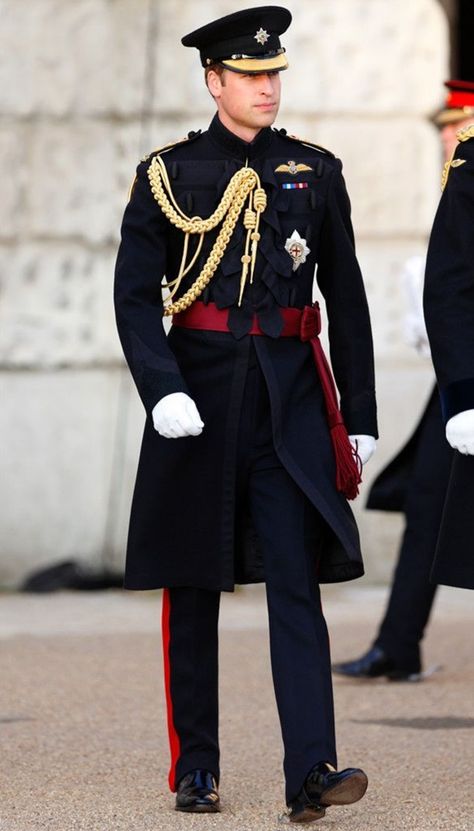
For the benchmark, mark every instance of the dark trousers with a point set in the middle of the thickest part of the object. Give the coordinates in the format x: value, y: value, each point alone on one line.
x: 288, y: 528
x: 412, y: 594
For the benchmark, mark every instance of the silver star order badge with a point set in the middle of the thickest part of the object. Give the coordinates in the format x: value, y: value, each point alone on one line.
x: 297, y: 249
x: 261, y: 36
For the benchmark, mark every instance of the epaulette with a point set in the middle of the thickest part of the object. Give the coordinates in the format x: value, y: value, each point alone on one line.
x: 282, y: 132
x: 466, y: 133
x: 193, y: 134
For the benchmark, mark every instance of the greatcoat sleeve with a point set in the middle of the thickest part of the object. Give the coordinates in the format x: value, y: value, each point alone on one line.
x: 449, y: 286
x: 140, y: 267
x: 350, y: 339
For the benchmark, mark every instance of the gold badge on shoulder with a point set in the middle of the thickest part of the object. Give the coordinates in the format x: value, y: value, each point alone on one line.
x: 458, y: 162
x: 292, y: 168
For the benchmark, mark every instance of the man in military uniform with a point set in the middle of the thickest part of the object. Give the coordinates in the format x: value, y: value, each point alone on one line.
x: 416, y: 481
x: 246, y: 464
x: 449, y: 313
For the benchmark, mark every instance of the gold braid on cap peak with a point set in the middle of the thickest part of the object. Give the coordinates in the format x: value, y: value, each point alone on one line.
x: 245, y: 184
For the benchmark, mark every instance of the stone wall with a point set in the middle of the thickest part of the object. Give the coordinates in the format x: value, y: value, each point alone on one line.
x: 87, y: 86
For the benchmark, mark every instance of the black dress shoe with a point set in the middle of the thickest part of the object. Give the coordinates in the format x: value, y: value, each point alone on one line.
x: 326, y: 786
x: 197, y: 792
x: 374, y: 664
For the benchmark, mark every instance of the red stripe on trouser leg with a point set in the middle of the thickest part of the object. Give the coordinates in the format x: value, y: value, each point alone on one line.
x: 173, y: 736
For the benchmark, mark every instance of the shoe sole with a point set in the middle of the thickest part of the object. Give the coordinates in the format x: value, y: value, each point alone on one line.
x: 346, y: 792
x: 308, y: 814
x: 200, y: 809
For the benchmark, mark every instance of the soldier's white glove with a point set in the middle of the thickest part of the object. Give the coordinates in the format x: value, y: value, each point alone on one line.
x: 364, y: 445
x: 460, y: 432
x: 176, y: 416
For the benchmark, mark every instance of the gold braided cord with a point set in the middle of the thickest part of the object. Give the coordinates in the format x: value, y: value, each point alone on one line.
x: 465, y: 133
x: 215, y: 256
x: 446, y: 170
x: 244, y: 184
x: 259, y: 203
x: 158, y: 176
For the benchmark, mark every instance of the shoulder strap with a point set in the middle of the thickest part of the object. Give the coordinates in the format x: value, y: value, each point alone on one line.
x: 282, y: 132
x: 466, y: 133
x: 192, y: 135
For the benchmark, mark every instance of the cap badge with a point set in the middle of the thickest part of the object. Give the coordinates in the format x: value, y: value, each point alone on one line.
x: 292, y: 168
x: 297, y: 249
x: 261, y: 36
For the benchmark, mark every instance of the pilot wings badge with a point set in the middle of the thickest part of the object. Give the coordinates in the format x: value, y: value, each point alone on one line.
x: 292, y: 168
x: 297, y: 249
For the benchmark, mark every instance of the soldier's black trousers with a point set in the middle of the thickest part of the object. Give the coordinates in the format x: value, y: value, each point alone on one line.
x: 412, y: 594
x: 288, y: 528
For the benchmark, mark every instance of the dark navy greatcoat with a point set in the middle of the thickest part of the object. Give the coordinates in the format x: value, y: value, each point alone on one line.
x: 392, y: 486
x: 449, y: 313
x: 184, y: 515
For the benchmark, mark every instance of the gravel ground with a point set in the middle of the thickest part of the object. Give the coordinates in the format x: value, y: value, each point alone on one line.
x: 83, y: 740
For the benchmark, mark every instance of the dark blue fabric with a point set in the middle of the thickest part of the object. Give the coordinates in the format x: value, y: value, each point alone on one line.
x: 457, y: 397
x: 412, y: 593
x: 183, y: 521
x: 193, y: 661
x: 449, y: 314
x: 289, y: 531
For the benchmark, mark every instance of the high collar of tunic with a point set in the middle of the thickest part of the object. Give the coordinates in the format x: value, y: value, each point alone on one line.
x: 237, y: 147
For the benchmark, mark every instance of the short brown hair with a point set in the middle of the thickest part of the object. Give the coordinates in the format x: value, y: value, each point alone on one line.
x: 218, y: 69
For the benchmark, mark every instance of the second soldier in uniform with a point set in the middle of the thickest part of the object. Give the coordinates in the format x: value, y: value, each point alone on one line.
x: 416, y: 481
x: 246, y: 464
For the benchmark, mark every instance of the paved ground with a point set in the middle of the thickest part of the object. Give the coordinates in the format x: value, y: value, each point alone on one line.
x: 82, y: 736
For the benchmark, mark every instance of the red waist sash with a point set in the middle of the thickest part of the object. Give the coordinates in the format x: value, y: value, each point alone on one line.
x: 304, y: 324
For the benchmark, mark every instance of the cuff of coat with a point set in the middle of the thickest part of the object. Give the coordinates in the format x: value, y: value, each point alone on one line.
x: 361, y: 421
x: 457, y: 397
x: 154, y: 385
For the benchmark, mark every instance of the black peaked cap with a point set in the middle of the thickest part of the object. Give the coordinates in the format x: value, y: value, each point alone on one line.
x: 245, y: 41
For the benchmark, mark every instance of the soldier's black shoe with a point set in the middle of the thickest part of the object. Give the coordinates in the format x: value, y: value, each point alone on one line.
x: 326, y: 786
x: 374, y: 664
x: 197, y: 792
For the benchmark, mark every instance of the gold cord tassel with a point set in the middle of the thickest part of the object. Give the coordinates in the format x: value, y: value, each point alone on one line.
x: 244, y: 184
x: 260, y: 203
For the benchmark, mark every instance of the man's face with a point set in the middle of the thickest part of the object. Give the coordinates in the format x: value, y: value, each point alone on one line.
x: 246, y: 103
x: 448, y: 135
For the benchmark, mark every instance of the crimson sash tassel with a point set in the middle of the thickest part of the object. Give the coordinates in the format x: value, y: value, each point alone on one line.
x: 348, y: 463
x: 348, y: 468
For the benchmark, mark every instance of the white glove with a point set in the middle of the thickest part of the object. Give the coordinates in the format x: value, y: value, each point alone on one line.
x: 176, y: 416
x: 460, y: 432
x: 364, y: 446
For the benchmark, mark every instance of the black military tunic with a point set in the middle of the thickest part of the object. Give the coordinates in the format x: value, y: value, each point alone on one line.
x: 184, y: 514
x: 449, y: 313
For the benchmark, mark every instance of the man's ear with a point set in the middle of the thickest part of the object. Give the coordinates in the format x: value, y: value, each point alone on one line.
x: 214, y: 84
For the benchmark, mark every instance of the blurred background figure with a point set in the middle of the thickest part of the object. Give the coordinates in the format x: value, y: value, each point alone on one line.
x: 416, y: 480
